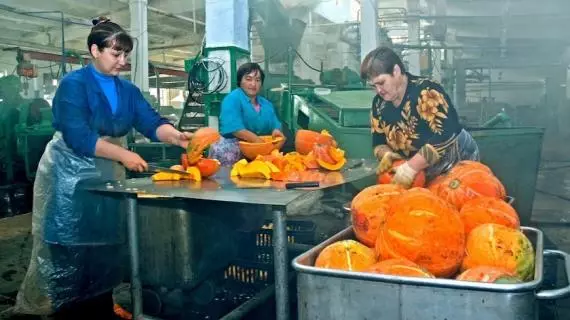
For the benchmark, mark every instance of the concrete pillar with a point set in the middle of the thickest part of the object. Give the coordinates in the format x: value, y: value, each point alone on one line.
x: 556, y: 102
x: 439, y: 9
x: 413, y: 37
x: 460, y: 90
x: 368, y: 27
x: 139, y: 31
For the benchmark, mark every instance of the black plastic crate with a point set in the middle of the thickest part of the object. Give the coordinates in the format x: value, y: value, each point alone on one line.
x: 258, y: 245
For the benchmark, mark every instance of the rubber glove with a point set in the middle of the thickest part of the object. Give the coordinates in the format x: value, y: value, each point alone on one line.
x: 387, y: 161
x: 404, y: 175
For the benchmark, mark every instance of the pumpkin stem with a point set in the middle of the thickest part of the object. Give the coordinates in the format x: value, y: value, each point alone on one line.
x: 454, y: 184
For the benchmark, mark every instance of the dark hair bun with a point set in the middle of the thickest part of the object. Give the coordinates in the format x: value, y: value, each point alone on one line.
x: 100, y: 20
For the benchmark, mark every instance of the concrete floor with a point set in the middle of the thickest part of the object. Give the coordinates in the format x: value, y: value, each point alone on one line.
x: 551, y: 214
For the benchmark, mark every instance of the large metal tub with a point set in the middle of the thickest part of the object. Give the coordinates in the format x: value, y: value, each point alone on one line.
x: 331, y: 294
x: 182, y: 242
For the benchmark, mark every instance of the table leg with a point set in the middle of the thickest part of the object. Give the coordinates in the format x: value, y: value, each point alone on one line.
x: 133, y: 229
x: 281, y: 263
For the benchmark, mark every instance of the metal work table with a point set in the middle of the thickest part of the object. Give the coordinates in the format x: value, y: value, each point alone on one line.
x: 222, y: 188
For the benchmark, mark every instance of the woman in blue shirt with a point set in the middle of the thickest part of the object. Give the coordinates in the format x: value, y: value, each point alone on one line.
x: 78, y: 236
x: 245, y: 115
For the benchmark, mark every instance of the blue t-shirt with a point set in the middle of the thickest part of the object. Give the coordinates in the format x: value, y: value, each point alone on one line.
x: 107, y: 84
x: 238, y: 113
x: 82, y: 113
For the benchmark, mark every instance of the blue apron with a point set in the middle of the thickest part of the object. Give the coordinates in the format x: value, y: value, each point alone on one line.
x: 78, y: 235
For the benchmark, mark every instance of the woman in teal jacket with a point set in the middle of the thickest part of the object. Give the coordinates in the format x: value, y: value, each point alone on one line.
x: 245, y: 115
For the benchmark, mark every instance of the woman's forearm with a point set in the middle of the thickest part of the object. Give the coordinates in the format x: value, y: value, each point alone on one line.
x: 418, y: 162
x: 108, y: 150
x: 168, y: 134
x: 246, y: 135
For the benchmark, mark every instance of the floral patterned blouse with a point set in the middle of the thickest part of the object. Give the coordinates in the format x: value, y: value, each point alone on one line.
x: 426, y: 117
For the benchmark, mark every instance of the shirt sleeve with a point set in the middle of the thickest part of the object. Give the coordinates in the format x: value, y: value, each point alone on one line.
x: 378, y: 135
x: 231, y: 119
x: 71, y: 117
x: 147, y: 120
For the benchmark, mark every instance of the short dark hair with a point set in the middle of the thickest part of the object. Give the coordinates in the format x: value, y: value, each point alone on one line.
x: 380, y: 61
x: 107, y: 34
x: 248, y: 68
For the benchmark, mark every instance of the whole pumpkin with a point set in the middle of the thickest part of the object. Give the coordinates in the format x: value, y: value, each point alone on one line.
x: 369, y: 208
x: 495, y: 245
x: 305, y: 140
x: 208, y: 167
x: 424, y: 229
x: 478, y: 211
x: 485, y: 274
x: 399, y: 267
x: 386, y: 177
x: 347, y: 255
x: 466, y: 183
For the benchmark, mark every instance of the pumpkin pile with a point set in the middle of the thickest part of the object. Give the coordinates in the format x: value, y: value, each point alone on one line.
x: 458, y: 227
x: 314, y: 151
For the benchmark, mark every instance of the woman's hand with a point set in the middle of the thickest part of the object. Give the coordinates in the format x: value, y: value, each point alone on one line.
x: 133, y: 161
x: 277, y: 133
x: 387, y: 161
x: 184, y: 139
x: 404, y: 175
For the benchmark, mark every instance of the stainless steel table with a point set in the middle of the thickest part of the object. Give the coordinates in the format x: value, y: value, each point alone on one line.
x: 222, y: 188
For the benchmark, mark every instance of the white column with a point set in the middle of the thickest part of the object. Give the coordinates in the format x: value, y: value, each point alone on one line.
x: 139, y: 56
x: 413, y: 37
x: 368, y: 27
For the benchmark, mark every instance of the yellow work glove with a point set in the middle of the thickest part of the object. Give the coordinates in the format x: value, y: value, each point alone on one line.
x: 404, y: 175
x: 387, y: 161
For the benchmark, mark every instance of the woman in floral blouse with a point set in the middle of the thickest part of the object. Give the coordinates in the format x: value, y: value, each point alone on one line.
x: 413, y: 119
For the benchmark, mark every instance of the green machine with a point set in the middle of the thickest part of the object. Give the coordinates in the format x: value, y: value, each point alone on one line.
x: 512, y: 153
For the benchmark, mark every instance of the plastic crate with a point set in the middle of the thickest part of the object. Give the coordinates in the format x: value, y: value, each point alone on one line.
x: 258, y: 245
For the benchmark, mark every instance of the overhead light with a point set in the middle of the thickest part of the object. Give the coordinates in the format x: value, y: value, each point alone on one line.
x: 54, y: 82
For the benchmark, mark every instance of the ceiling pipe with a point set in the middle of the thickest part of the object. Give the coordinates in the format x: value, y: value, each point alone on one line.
x: 167, y: 14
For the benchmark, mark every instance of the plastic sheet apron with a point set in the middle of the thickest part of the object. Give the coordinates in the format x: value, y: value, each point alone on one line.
x: 464, y: 148
x: 78, y: 236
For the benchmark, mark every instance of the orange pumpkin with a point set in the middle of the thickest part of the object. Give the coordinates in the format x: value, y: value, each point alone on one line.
x: 201, y: 140
x: 399, y: 267
x: 466, y: 183
x: 208, y: 167
x: 305, y: 140
x: 251, y: 150
x: 483, y: 210
x: 495, y: 245
x: 369, y: 208
x: 424, y: 229
x: 347, y: 255
x: 484, y: 274
x: 329, y: 157
x: 386, y: 177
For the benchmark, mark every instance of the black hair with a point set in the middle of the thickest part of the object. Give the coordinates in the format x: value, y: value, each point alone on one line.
x: 248, y: 68
x: 381, y: 60
x: 107, y: 34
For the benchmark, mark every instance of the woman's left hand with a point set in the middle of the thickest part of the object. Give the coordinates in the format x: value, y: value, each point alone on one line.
x: 277, y: 133
x: 184, y: 138
x: 404, y: 175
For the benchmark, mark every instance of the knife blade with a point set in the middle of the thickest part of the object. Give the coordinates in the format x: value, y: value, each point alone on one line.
x: 154, y: 168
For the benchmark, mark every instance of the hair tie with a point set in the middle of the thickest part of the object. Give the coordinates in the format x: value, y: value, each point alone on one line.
x: 100, y: 20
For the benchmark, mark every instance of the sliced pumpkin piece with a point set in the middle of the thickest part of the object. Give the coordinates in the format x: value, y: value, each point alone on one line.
x: 195, y: 174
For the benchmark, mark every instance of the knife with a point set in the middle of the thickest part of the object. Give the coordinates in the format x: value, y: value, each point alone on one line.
x: 307, y: 184
x: 154, y: 168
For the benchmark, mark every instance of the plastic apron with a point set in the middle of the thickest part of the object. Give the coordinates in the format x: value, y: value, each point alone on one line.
x: 78, y: 236
x: 464, y: 148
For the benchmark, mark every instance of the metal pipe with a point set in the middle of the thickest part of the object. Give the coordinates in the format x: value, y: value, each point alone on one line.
x: 133, y: 229
x: 167, y: 14
x: 281, y: 263
x: 194, y: 14
x: 13, y: 10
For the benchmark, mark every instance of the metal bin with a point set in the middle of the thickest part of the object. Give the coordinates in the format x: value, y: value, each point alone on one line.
x: 334, y: 294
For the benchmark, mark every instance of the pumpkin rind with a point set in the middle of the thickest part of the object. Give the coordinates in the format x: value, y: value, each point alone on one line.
x: 369, y: 209
x: 399, y: 267
x: 346, y: 255
x: 482, y: 210
x: 424, y: 229
x: 499, y: 246
x: 305, y: 140
x: 484, y: 274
